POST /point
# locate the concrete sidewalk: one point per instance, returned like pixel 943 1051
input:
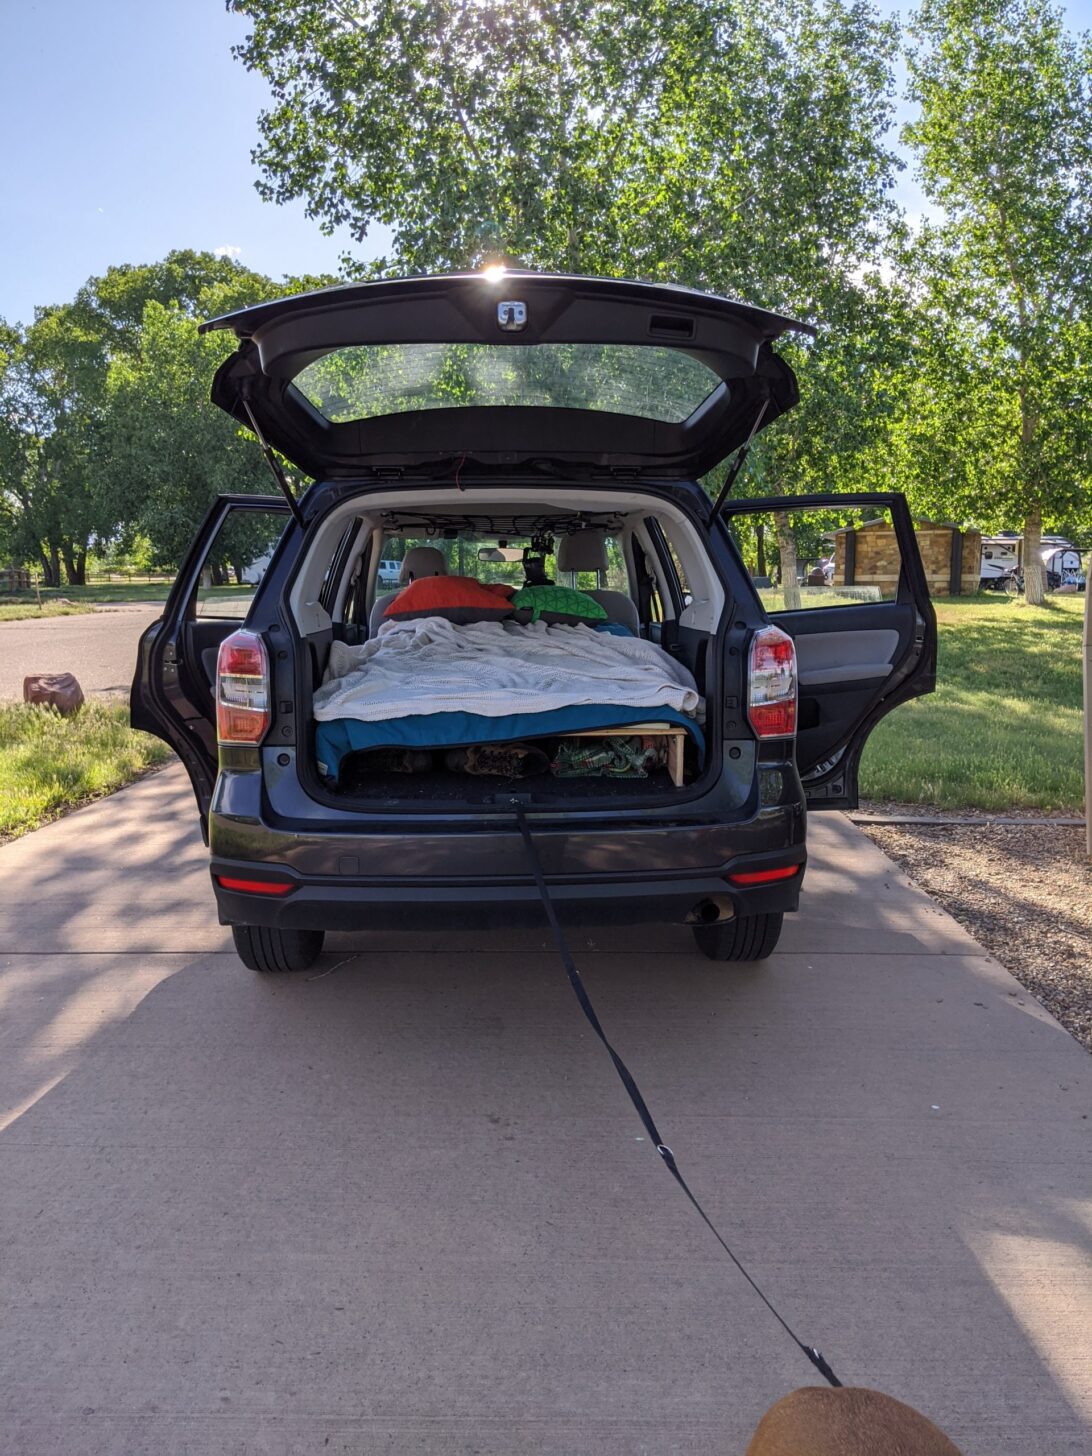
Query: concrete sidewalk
pixel 405 1206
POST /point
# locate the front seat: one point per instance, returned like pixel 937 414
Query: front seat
pixel 418 562
pixel 587 551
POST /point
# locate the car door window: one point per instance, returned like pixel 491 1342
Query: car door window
pixel 237 558
pixel 803 560
pixel 174 683
pixel 846 578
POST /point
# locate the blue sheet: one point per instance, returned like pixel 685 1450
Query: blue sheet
pixel 339 736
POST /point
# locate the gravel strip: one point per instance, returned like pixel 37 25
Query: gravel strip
pixel 1023 891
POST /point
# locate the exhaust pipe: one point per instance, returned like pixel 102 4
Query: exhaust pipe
pixel 709 912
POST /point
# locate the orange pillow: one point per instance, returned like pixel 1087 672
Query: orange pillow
pixel 455 598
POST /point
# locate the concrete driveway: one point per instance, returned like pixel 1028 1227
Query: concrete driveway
pixel 99 647
pixel 401 1204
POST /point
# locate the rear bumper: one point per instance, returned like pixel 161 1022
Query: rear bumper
pixel 361 906
pixel 658 873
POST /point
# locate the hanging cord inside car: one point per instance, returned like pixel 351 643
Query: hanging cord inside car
pixel 638 1100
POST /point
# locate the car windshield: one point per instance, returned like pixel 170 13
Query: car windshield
pixel 496 559
pixel 367 380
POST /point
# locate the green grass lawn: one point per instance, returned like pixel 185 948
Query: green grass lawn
pixel 104 591
pixel 65 601
pixel 1003 729
pixel 49 764
pixel 18 611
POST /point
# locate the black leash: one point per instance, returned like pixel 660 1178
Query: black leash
pixel 638 1100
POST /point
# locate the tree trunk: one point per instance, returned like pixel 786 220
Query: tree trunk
pixel 760 546
pixel 54 566
pixel 47 571
pixel 75 563
pixel 786 545
pixel 1034 572
pixel 238 570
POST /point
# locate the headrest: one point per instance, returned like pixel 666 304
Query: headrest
pixel 584 551
pixel 422 561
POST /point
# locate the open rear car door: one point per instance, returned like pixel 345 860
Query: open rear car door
pixel 843 576
pixel 174 689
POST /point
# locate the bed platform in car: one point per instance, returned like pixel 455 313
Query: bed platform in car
pixel 337 738
pixel 675 735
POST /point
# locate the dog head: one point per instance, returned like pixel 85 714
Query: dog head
pixel 852 1421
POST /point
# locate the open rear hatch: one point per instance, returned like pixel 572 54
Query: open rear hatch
pixel 521 373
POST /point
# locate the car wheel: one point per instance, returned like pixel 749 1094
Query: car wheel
pixel 263 949
pixel 746 938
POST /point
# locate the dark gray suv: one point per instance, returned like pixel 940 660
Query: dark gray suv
pixel 359 758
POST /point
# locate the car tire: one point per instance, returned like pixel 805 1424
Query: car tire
pixel 746 938
pixel 261 948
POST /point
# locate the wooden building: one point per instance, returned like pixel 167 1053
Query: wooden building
pixel 14 578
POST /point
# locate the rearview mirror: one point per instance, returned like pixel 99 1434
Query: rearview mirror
pixel 500 553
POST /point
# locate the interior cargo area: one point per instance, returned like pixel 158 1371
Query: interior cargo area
pixel 390 692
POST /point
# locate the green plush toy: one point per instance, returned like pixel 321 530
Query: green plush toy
pixel 557 604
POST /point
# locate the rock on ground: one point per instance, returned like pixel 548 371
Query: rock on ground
pixel 54 690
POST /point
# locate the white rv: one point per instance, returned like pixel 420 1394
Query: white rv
pixel 1000 558
pixel 1003 559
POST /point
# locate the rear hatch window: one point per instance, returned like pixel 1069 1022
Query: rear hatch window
pixel 622 379
pixel 523 374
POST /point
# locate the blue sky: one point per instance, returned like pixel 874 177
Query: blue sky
pixel 133 137
pixel 136 132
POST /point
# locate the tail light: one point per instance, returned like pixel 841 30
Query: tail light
pixel 771 684
pixel 254 887
pixel 242 689
pixel 759 877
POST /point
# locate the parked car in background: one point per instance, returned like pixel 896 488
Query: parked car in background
pixel 389 572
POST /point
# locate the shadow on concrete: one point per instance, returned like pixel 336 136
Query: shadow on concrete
pixel 402 1203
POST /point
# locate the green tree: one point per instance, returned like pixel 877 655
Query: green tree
pixel 171 450
pixel 1004 141
pixel 58 474
pixel 695 140
pixel 837 436
pixel 97 407
pixel 703 142
pixel 37 517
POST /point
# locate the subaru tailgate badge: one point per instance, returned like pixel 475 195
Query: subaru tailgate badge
pixel 512 315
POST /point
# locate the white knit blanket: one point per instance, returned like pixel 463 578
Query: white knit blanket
pixel 495 668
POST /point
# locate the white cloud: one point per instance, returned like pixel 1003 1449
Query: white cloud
pixel 227 250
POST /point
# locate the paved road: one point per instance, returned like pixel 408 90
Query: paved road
pixel 99 647
pixel 404 1206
